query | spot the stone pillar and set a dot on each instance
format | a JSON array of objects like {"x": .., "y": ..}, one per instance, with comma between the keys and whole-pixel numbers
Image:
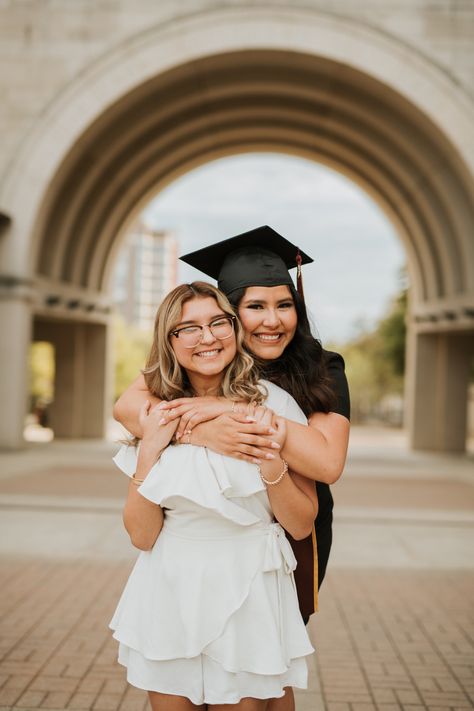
[
  {"x": 15, "y": 325},
  {"x": 97, "y": 402},
  {"x": 81, "y": 385},
  {"x": 437, "y": 383}
]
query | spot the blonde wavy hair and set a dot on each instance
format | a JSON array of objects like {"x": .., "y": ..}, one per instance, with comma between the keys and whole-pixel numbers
[{"x": 165, "y": 377}]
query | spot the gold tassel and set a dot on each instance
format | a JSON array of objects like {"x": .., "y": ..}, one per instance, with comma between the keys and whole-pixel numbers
[{"x": 299, "y": 275}]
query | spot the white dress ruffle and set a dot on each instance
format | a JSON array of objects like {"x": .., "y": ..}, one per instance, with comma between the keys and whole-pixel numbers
[{"x": 211, "y": 611}]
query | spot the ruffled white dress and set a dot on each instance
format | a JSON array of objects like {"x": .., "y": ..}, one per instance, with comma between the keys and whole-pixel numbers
[{"x": 211, "y": 612}]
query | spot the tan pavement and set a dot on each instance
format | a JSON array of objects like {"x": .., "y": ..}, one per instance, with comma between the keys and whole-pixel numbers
[{"x": 396, "y": 617}]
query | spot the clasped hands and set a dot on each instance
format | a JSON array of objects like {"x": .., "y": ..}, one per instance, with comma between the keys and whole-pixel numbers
[{"x": 241, "y": 430}]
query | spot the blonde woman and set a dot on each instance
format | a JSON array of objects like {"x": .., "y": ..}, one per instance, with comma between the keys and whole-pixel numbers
[{"x": 209, "y": 615}]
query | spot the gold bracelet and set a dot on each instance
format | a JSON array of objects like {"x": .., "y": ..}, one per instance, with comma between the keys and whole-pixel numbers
[
  {"x": 280, "y": 477},
  {"x": 136, "y": 481}
]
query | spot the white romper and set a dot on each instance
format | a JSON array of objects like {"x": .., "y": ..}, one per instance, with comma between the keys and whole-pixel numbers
[{"x": 211, "y": 611}]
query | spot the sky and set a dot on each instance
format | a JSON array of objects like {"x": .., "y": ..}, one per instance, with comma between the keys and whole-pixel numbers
[{"x": 358, "y": 255}]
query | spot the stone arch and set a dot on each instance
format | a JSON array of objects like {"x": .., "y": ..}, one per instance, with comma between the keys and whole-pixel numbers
[{"x": 232, "y": 80}]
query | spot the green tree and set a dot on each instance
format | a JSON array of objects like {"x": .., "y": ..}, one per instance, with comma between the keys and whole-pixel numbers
[
  {"x": 375, "y": 363},
  {"x": 392, "y": 332},
  {"x": 41, "y": 372}
]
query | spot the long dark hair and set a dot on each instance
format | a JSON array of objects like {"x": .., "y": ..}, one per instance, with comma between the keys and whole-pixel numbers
[{"x": 301, "y": 368}]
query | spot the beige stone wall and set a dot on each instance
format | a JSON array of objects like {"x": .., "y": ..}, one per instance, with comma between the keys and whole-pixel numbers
[{"x": 44, "y": 44}]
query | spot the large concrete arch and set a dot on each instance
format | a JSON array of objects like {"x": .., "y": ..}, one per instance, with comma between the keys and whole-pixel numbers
[{"x": 229, "y": 80}]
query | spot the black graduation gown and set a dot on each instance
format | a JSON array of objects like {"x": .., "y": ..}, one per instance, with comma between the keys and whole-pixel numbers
[{"x": 305, "y": 553}]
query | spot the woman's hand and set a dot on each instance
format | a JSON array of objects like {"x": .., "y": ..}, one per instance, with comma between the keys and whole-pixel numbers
[
  {"x": 190, "y": 411},
  {"x": 234, "y": 435},
  {"x": 277, "y": 424},
  {"x": 156, "y": 434}
]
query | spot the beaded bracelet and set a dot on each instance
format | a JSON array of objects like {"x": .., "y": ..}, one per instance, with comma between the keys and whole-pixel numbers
[{"x": 280, "y": 477}]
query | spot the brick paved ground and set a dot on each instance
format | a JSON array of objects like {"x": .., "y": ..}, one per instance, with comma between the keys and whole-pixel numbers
[
  {"x": 397, "y": 607},
  {"x": 398, "y": 639}
]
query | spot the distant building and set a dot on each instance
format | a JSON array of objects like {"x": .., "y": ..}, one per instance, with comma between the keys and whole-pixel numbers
[{"x": 145, "y": 272}]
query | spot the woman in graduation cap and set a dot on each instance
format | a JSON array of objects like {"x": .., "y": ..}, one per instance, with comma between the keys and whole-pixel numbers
[{"x": 252, "y": 270}]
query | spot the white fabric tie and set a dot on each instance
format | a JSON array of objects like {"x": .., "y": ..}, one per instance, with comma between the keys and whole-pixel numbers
[{"x": 278, "y": 551}]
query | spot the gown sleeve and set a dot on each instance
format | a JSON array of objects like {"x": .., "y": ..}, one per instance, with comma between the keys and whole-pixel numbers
[{"x": 335, "y": 367}]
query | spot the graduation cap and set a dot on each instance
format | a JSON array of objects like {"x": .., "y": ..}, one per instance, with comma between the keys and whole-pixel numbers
[{"x": 260, "y": 257}]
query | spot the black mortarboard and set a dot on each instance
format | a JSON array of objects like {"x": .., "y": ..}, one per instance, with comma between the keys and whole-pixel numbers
[{"x": 260, "y": 257}]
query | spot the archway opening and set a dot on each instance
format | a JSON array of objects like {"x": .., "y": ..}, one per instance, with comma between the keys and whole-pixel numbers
[{"x": 271, "y": 101}]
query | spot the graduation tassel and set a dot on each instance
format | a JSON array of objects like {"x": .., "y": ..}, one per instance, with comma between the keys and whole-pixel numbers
[{"x": 299, "y": 275}]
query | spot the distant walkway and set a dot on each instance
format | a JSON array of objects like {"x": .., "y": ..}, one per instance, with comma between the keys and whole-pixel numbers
[{"x": 395, "y": 625}]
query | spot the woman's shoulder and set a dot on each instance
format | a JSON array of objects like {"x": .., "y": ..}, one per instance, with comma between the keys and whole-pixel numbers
[
  {"x": 335, "y": 367},
  {"x": 333, "y": 361},
  {"x": 282, "y": 403}
]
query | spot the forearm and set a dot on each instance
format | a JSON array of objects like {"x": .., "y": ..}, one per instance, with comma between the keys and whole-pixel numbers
[
  {"x": 313, "y": 455},
  {"x": 143, "y": 519},
  {"x": 127, "y": 408},
  {"x": 291, "y": 506}
]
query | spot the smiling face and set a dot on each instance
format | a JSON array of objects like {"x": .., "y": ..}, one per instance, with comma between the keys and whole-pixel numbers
[
  {"x": 268, "y": 316},
  {"x": 205, "y": 362}
]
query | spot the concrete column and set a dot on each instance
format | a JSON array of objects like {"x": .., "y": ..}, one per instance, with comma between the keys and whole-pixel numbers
[
  {"x": 97, "y": 403},
  {"x": 66, "y": 408},
  {"x": 15, "y": 324},
  {"x": 437, "y": 383},
  {"x": 81, "y": 386}
]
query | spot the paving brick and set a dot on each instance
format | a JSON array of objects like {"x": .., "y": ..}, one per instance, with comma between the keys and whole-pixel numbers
[
  {"x": 384, "y": 696},
  {"x": 107, "y": 702},
  {"x": 30, "y": 699},
  {"x": 448, "y": 684},
  {"x": 52, "y": 683},
  {"x": 56, "y": 700},
  {"x": 91, "y": 684},
  {"x": 407, "y": 697},
  {"x": 445, "y": 699},
  {"x": 18, "y": 681},
  {"x": 9, "y": 696},
  {"x": 115, "y": 686},
  {"x": 137, "y": 700},
  {"x": 81, "y": 701},
  {"x": 334, "y": 695},
  {"x": 77, "y": 670}
]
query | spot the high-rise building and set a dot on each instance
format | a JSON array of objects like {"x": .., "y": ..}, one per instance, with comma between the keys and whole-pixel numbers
[{"x": 145, "y": 272}]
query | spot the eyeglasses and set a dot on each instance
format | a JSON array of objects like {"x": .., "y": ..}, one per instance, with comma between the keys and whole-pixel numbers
[{"x": 221, "y": 328}]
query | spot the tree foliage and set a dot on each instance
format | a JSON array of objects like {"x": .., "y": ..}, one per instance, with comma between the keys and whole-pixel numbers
[
  {"x": 41, "y": 372},
  {"x": 375, "y": 366}
]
